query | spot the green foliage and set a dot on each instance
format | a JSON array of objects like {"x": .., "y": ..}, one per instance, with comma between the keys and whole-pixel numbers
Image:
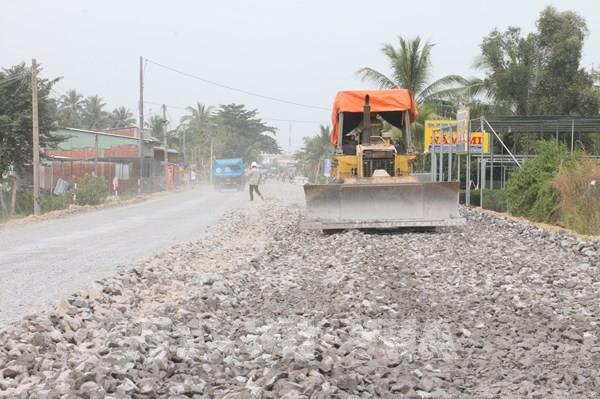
[
  {"x": 579, "y": 196},
  {"x": 509, "y": 61},
  {"x": 239, "y": 133},
  {"x": 121, "y": 117},
  {"x": 410, "y": 64},
  {"x": 315, "y": 149},
  {"x": 156, "y": 126},
  {"x": 530, "y": 192},
  {"x": 88, "y": 113},
  {"x": 91, "y": 190},
  {"x": 540, "y": 74},
  {"x": 56, "y": 202},
  {"x": 494, "y": 200},
  {"x": 24, "y": 204},
  {"x": 16, "y": 146},
  {"x": 70, "y": 108},
  {"x": 94, "y": 117},
  {"x": 197, "y": 126}
]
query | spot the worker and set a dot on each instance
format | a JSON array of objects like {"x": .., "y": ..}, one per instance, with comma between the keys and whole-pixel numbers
[
  {"x": 376, "y": 125},
  {"x": 254, "y": 181}
]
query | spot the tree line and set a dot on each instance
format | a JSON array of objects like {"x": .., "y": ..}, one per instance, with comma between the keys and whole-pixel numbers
[
  {"x": 231, "y": 130},
  {"x": 234, "y": 130},
  {"x": 534, "y": 74},
  {"x": 538, "y": 73}
]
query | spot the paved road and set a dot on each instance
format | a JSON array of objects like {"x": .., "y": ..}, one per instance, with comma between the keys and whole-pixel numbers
[{"x": 44, "y": 261}]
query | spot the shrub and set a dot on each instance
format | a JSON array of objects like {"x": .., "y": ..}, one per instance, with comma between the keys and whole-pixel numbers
[
  {"x": 49, "y": 202},
  {"x": 56, "y": 202},
  {"x": 24, "y": 204},
  {"x": 530, "y": 191},
  {"x": 579, "y": 199},
  {"x": 494, "y": 200},
  {"x": 91, "y": 190}
]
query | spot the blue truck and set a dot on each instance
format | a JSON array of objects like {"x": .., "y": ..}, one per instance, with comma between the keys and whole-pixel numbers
[{"x": 228, "y": 173}]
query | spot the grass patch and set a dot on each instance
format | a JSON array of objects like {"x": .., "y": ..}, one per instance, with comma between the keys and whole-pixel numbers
[{"x": 578, "y": 188}]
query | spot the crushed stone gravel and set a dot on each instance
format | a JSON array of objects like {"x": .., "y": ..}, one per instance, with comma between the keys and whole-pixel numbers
[{"x": 261, "y": 309}]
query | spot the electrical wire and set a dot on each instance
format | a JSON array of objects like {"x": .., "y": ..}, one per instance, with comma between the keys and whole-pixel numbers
[
  {"x": 189, "y": 75},
  {"x": 14, "y": 78},
  {"x": 266, "y": 119},
  {"x": 57, "y": 93}
]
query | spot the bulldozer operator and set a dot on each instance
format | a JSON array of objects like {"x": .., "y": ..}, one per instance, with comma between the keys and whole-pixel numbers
[{"x": 377, "y": 130}]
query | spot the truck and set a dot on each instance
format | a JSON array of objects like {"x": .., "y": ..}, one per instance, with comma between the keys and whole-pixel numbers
[{"x": 228, "y": 173}]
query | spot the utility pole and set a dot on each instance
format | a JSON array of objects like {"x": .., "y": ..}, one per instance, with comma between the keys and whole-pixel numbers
[
  {"x": 36, "y": 138},
  {"x": 468, "y": 172},
  {"x": 141, "y": 142},
  {"x": 164, "y": 110},
  {"x": 290, "y": 137},
  {"x": 184, "y": 147},
  {"x": 96, "y": 154},
  {"x": 210, "y": 163}
]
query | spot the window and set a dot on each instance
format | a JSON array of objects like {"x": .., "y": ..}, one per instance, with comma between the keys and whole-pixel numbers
[{"x": 122, "y": 171}]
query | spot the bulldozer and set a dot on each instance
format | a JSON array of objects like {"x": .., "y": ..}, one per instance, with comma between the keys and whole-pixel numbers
[{"x": 372, "y": 185}]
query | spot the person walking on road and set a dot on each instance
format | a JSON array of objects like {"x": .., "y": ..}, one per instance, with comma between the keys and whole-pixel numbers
[{"x": 254, "y": 181}]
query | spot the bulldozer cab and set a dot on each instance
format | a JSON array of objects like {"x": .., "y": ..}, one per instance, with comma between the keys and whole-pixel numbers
[
  {"x": 363, "y": 148},
  {"x": 371, "y": 131}
]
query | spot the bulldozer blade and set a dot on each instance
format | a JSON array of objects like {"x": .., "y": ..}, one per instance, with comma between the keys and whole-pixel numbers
[{"x": 381, "y": 205}]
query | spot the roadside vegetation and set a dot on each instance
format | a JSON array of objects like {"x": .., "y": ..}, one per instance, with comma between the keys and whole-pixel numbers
[
  {"x": 522, "y": 74},
  {"x": 578, "y": 187},
  {"x": 232, "y": 130},
  {"x": 91, "y": 190},
  {"x": 530, "y": 190},
  {"x": 533, "y": 74}
]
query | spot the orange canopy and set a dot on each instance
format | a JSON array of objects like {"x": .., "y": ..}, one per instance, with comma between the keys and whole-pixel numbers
[{"x": 379, "y": 100}]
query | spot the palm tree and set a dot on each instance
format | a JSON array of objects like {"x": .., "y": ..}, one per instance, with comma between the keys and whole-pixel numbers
[
  {"x": 122, "y": 117},
  {"x": 70, "y": 107},
  {"x": 155, "y": 124},
  {"x": 315, "y": 150},
  {"x": 198, "y": 114},
  {"x": 94, "y": 116},
  {"x": 411, "y": 69},
  {"x": 195, "y": 126}
]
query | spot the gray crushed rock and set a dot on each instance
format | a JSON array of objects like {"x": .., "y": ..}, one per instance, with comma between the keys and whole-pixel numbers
[{"x": 260, "y": 309}]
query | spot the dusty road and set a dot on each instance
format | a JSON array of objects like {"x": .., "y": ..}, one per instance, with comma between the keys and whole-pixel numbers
[{"x": 41, "y": 262}]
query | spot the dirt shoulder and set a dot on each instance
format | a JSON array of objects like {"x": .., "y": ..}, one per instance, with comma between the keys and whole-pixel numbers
[
  {"x": 111, "y": 202},
  {"x": 544, "y": 226}
]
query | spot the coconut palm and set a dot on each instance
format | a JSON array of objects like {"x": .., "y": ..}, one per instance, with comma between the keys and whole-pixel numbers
[
  {"x": 122, "y": 117},
  {"x": 198, "y": 116},
  {"x": 196, "y": 127},
  {"x": 411, "y": 69},
  {"x": 94, "y": 116},
  {"x": 155, "y": 125},
  {"x": 315, "y": 150},
  {"x": 70, "y": 108}
]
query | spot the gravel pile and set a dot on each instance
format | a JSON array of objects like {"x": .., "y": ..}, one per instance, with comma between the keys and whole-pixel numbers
[{"x": 261, "y": 309}]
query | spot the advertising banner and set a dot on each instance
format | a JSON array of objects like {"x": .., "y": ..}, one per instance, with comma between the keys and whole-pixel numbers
[{"x": 446, "y": 137}]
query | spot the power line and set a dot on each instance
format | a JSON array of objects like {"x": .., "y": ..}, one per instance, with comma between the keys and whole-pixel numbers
[
  {"x": 296, "y": 121},
  {"x": 179, "y": 107},
  {"x": 168, "y": 105},
  {"x": 59, "y": 94},
  {"x": 13, "y": 78},
  {"x": 189, "y": 75}
]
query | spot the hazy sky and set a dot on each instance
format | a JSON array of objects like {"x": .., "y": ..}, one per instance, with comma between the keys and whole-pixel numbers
[{"x": 302, "y": 51}]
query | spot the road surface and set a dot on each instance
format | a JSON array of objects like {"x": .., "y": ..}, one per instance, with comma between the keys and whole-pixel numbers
[{"x": 44, "y": 261}]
